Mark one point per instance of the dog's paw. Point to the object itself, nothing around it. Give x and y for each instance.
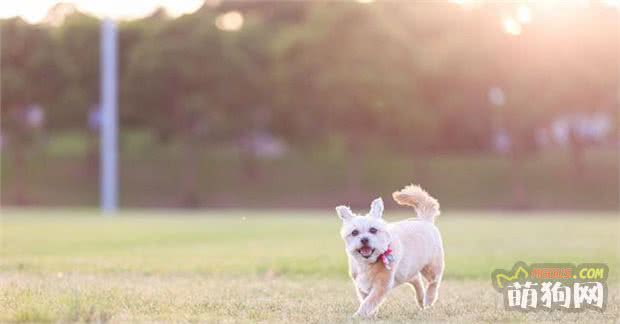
(428, 303)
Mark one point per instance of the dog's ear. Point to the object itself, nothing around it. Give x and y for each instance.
(344, 213)
(376, 208)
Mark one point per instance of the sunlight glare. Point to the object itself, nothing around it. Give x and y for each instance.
(35, 11)
(524, 14)
(467, 4)
(612, 3)
(229, 21)
(511, 26)
(30, 11)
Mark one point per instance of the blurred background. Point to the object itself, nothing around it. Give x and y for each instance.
(310, 104)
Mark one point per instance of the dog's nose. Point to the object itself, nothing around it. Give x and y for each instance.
(364, 241)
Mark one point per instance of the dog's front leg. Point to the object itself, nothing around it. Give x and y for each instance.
(377, 294)
(361, 295)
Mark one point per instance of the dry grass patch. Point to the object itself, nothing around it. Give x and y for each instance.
(122, 298)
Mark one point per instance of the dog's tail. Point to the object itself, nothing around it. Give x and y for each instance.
(425, 206)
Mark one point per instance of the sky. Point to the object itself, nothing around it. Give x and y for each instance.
(35, 10)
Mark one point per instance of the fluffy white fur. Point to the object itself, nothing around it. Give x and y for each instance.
(416, 246)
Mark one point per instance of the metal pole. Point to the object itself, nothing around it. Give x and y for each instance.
(109, 118)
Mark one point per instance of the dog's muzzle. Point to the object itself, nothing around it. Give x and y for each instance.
(366, 251)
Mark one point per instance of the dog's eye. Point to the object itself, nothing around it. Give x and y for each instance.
(373, 230)
(355, 232)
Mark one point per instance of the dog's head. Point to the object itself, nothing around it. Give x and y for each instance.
(365, 237)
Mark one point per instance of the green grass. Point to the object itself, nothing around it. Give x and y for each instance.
(267, 266)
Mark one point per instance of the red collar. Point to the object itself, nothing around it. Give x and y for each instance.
(387, 258)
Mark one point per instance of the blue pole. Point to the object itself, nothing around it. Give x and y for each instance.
(109, 118)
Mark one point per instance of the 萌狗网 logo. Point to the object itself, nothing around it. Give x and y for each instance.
(546, 286)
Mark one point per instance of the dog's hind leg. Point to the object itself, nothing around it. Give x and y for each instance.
(418, 286)
(433, 274)
(432, 293)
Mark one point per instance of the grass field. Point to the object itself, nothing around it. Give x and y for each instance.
(57, 174)
(237, 266)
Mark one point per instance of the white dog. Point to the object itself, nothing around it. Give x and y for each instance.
(384, 255)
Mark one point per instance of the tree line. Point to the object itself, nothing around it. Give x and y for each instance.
(306, 69)
(411, 77)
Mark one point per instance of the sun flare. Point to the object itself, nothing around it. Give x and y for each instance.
(35, 11)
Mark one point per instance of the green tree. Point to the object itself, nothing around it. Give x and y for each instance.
(78, 41)
(195, 80)
(30, 75)
(347, 72)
